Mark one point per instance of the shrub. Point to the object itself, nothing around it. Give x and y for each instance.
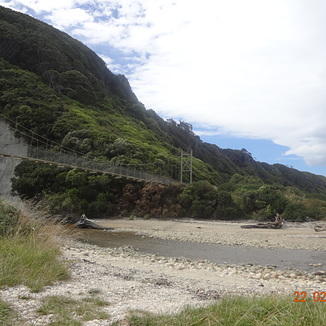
(9, 217)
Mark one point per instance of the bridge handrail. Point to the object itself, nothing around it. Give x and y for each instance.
(51, 156)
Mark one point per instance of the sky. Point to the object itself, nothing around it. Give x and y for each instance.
(246, 74)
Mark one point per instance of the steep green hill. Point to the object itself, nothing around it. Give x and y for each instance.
(58, 88)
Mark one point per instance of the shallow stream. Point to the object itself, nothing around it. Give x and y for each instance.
(220, 254)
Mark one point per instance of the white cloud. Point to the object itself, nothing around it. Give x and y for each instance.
(69, 17)
(251, 68)
(252, 72)
(114, 67)
(41, 5)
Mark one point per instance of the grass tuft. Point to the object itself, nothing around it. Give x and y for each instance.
(65, 310)
(29, 250)
(6, 314)
(241, 311)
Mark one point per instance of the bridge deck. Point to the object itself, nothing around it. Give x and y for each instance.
(102, 167)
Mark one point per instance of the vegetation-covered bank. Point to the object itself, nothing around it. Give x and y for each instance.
(66, 191)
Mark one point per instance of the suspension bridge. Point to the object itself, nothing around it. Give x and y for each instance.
(41, 150)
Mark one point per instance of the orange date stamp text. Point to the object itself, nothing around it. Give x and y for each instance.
(318, 296)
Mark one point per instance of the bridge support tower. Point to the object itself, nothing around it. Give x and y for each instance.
(186, 165)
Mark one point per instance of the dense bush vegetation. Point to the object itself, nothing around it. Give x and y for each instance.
(69, 191)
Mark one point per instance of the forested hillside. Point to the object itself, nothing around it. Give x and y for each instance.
(58, 88)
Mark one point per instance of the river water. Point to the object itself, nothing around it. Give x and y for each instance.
(282, 258)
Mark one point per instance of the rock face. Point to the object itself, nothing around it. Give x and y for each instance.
(9, 144)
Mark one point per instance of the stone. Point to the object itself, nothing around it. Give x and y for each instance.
(319, 273)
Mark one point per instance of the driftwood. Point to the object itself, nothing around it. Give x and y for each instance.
(320, 228)
(270, 225)
(85, 223)
(277, 224)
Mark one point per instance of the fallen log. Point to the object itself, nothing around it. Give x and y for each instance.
(262, 226)
(85, 223)
(320, 228)
(277, 224)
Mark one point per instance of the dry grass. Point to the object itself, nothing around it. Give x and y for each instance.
(30, 250)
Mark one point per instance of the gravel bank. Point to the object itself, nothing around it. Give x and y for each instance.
(291, 236)
(128, 279)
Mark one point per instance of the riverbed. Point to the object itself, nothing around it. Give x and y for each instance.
(281, 258)
(164, 266)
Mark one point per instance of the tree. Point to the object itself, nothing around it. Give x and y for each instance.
(199, 200)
